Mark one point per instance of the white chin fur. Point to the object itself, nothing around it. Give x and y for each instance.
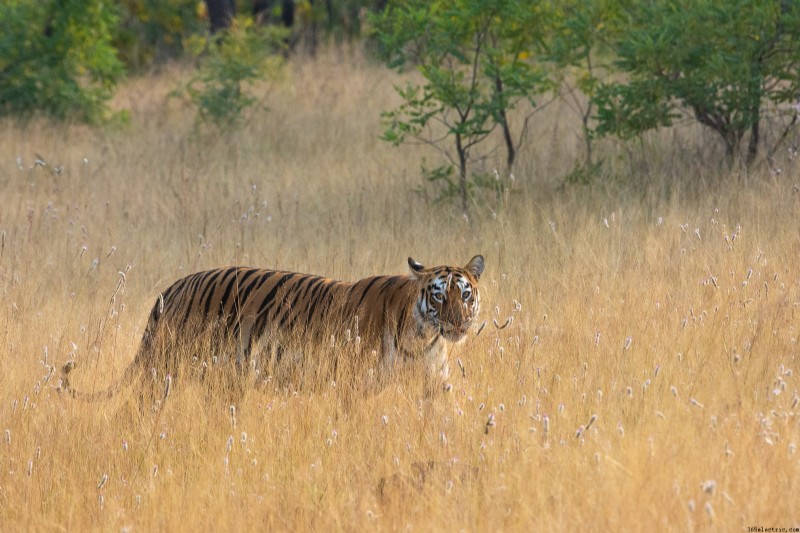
(452, 335)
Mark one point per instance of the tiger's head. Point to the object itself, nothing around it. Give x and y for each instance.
(449, 299)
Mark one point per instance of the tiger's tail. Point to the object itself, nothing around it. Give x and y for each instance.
(130, 372)
(135, 368)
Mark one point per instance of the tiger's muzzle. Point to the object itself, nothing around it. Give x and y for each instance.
(454, 332)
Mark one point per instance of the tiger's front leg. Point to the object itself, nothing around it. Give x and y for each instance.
(436, 367)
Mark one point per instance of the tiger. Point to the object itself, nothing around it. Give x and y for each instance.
(275, 315)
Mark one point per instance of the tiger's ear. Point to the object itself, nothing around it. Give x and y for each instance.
(416, 268)
(475, 266)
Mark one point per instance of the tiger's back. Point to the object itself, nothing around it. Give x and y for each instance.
(268, 309)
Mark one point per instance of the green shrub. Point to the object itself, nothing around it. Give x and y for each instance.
(475, 58)
(153, 31)
(231, 62)
(725, 65)
(56, 58)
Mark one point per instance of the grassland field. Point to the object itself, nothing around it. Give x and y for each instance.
(648, 380)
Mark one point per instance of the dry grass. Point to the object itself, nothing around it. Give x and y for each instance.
(666, 323)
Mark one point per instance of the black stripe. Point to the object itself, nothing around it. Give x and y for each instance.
(238, 301)
(201, 278)
(245, 293)
(263, 279)
(296, 290)
(263, 310)
(256, 286)
(209, 290)
(288, 327)
(300, 294)
(173, 301)
(278, 353)
(401, 322)
(430, 344)
(235, 280)
(405, 313)
(315, 298)
(390, 280)
(329, 295)
(382, 289)
(366, 289)
(155, 313)
(271, 295)
(312, 302)
(167, 294)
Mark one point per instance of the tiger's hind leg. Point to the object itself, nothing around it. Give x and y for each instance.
(224, 369)
(153, 388)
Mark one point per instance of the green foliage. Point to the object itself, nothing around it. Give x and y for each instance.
(342, 19)
(448, 186)
(577, 48)
(155, 30)
(232, 62)
(726, 63)
(56, 58)
(584, 174)
(444, 176)
(475, 59)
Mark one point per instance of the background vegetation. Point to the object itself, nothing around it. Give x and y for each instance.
(647, 378)
(665, 322)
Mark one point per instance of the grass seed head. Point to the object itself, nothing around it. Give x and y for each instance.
(490, 423)
(627, 343)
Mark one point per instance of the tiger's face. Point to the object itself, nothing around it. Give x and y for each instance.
(449, 299)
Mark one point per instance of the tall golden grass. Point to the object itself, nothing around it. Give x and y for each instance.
(649, 378)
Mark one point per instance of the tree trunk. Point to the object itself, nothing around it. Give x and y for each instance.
(587, 135)
(220, 13)
(462, 173)
(731, 147)
(752, 145)
(723, 125)
(511, 151)
(287, 13)
(263, 11)
(756, 95)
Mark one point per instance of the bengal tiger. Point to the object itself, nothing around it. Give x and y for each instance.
(273, 315)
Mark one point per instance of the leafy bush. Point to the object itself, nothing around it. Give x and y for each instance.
(155, 30)
(475, 59)
(577, 48)
(722, 64)
(232, 61)
(56, 58)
